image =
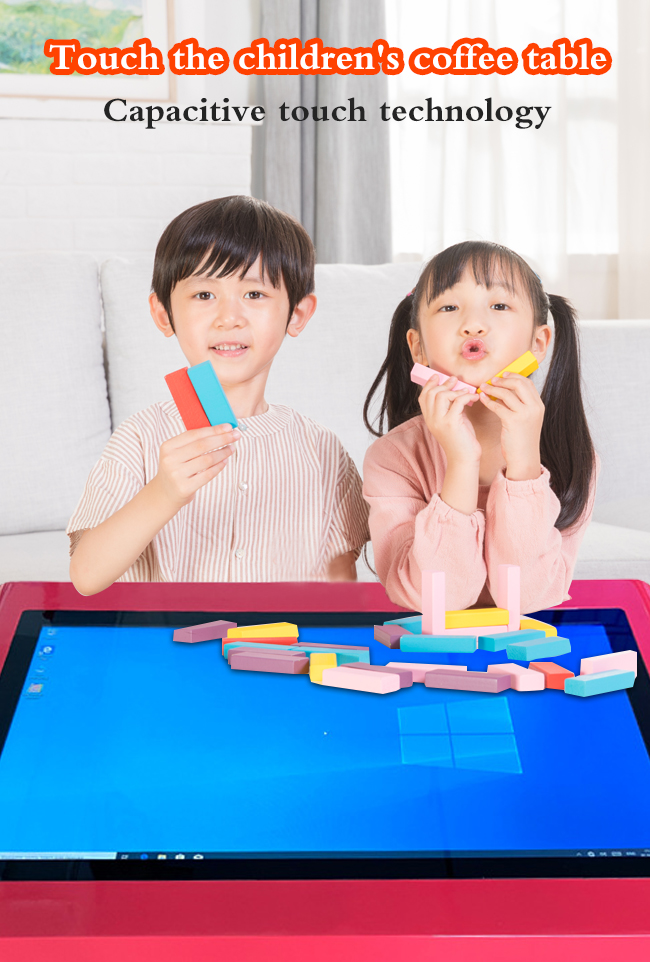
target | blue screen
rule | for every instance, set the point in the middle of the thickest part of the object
(135, 743)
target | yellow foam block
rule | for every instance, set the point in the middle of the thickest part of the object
(476, 618)
(524, 365)
(318, 661)
(279, 629)
(536, 625)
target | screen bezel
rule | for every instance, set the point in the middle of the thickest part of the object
(298, 866)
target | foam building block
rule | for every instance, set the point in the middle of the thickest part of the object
(500, 641)
(524, 365)
(209, 631)
(509, 594)
(598, 683)
(549, 630)
(532, 650)
(419, 670)
(554, 675)
(344, 655)
(618, 660)
(186, 400)
(317, 662)
(490, 682)
(521, 679)
(389, 635)
(228, 645)
(280, 629)
(476, 618)
(405, 676)
(457, 644)
(262, 641)
(421, 374)
(412, 623)
(211, 395)
(378, 682)
(284, 662)
(433, 603)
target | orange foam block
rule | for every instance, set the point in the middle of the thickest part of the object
(521, 679)
(419, 670)
(378, 682)
(186, 400)
(555, 675)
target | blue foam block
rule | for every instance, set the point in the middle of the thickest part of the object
(500, 640)
(343, 655)
(242, 643)
(411, 623)
(533, 650)
(210, 393)
(439, 643)
(598, 683)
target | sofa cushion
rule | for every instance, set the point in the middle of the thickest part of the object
(35, 556)
(325, 373)
(56, 418)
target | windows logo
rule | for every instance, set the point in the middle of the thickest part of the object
(471, 734)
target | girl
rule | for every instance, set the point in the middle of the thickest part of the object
(465, 482)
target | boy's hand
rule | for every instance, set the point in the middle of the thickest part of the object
(190, 460)
(444, 415)
(521, 412)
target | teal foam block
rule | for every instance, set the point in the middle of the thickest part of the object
(343, 655)
(533, 650)
(457, 644)
(501, 639)
(242, 643)
(598, 683)
(411, 623)
(211, 395)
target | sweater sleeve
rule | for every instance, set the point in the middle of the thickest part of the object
(520, 529)
(411, 534)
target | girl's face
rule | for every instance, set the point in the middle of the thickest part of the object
(473, 332)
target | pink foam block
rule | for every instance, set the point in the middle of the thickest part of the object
(209, 631)
(379, 682)
(618, 660)
(259, 659)
(419, 670)
(509, 593)
(405, 676)
(421, 374)
(433, 602)
(466, 681)
(521, 679)
(390, 635)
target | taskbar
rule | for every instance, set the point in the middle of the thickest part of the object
(243, 856)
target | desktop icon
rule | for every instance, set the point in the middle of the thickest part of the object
(197, 856)
(162, 856)
(179, 856)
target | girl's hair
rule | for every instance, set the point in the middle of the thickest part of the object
(565, 446)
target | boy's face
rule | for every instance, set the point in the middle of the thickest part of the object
(236, 323)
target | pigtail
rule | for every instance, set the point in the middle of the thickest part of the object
(566, 447)
(400, 400)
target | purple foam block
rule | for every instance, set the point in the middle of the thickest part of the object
(405, 676)
(209, 631)
(466, 680)
(390, 635)
(286, 663)
(256, 649)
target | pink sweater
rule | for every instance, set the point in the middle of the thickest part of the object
(412, 529)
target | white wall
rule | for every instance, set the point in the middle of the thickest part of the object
(108, 189)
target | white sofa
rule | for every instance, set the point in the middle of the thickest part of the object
(64, 382)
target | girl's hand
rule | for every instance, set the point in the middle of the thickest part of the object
(190, 460)
(521, 412)
(444, 414)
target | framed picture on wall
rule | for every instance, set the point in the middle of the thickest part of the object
(25, 25)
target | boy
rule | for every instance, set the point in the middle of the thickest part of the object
(281, 501)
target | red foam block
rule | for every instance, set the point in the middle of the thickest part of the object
(186, 400)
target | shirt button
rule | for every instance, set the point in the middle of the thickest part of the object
(243, 486)
(239, 553)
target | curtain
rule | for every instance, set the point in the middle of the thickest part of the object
(334, 177)
(549, 194)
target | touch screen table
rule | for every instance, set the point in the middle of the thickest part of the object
(149, 791)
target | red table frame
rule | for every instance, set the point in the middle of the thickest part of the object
(292, 921)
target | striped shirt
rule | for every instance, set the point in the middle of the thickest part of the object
(286, 504)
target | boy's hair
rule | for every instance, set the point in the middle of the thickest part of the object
(224, 236)
(566, 447)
